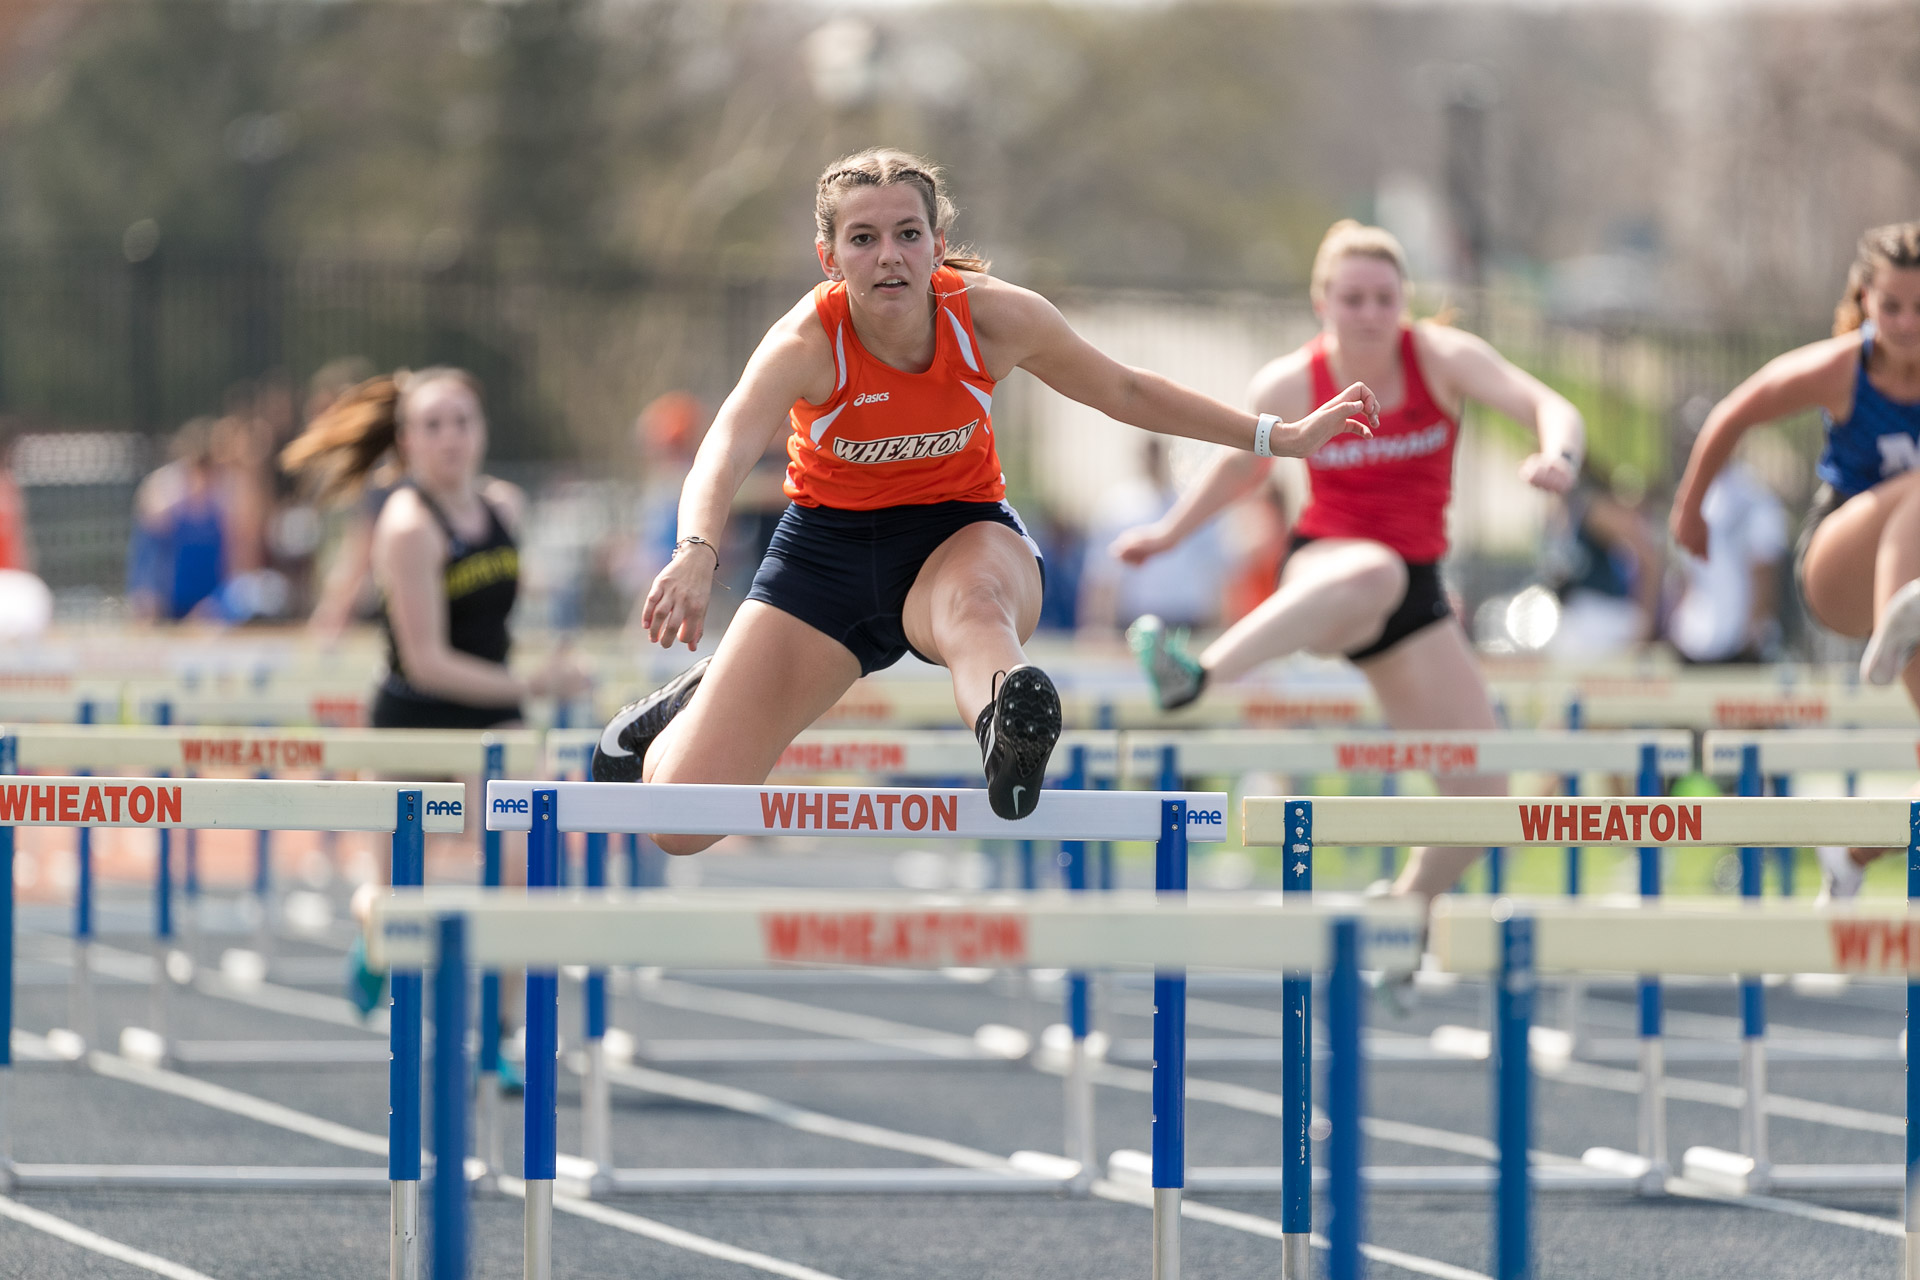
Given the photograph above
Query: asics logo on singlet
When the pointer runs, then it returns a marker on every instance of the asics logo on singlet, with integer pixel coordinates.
(936, 444)
(1367, 452)
(872, 397)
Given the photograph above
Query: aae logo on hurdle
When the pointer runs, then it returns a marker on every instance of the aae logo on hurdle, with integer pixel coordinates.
(447, 808)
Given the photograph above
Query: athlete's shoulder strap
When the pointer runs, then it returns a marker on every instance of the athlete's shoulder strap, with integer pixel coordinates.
(1418, 395)
(433, 509)
(1320, 370)
(954, 314)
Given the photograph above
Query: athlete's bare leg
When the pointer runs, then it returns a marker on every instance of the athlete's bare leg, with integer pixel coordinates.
(772, 677)
(976, 599)
(1880, 527)
(1431, 680)
(1335, 595)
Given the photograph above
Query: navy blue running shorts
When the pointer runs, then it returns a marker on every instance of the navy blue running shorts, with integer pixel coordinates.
(847, 573)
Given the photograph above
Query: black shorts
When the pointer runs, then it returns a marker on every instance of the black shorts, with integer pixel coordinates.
(1826, 501)
(397, 705)
(1423, 604)
(847, 573)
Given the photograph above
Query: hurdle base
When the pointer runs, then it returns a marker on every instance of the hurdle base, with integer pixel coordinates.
(757, 1053)
(1136, 1168)
(268, 1053)
(161, 1177)
(1737, 1174)
(1627, 1050)
(837, 1181)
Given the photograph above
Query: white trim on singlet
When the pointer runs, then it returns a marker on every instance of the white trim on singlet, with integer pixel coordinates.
(840, 355)
(966, 343)
(825, 420)
(984, 397)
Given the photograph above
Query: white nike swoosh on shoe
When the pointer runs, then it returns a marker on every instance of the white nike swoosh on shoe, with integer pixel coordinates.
(1016, 796)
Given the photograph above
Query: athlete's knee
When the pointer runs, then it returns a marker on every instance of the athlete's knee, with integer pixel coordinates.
(1378, 578)
(978, 600)
(684, 846)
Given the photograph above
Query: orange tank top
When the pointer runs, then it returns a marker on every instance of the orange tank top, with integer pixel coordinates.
(888, 438)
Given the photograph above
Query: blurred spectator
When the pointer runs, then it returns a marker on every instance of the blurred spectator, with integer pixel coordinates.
(1064, 551)
(666, 435)
(241, 446)
(1730, 608)
(16, 545)
(1602, 563)
(1258, 529)
(1182, 586)
(177, 563)
(346, 587)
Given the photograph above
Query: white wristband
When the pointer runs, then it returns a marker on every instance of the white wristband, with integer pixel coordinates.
(1263, 435)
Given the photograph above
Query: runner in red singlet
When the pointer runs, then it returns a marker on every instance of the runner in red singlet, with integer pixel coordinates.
(1363, 578)
(899, 537)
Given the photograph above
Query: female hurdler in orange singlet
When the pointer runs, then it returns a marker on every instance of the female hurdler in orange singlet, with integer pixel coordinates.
(898, 537)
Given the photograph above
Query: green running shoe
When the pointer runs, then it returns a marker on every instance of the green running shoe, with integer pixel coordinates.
(1176, 675)
(366, 987)
(513, 1081)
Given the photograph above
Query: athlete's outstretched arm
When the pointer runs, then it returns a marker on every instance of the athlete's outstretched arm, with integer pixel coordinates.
(1228, 478)
(1805, 378)
(1476, 371)
(788, 364)
(1023, 329)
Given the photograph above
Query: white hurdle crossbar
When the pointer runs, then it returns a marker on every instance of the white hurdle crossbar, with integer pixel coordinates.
(1756, 757)
(748, 929)
(187, 750)
(408, 810)
(1718, 942)
(917, 812)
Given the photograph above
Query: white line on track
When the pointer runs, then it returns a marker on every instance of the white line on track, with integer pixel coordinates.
(1792, 1208)
(72, 1233)
(1730, 1096)
(821, 1124)
(729, 1098)
(634, 1224)
(268, 997)
(797, 1016)
(232, 1100)
(1244, 1098)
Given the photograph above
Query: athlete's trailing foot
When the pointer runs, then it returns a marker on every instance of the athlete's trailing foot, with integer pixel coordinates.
(1892, 644)
(1176, 675)
(622, 750)
(1017, 731)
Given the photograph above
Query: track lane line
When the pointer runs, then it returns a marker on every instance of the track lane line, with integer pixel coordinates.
(75, 1234)
(689, 1241)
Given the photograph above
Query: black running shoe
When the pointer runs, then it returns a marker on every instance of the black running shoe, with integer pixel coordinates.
(622, 750)
(1017, 731)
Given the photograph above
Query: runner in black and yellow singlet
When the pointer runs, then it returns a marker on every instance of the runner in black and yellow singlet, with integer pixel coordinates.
(482, 580)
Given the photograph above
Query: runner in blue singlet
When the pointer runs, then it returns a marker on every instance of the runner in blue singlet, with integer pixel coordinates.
(1858, 559)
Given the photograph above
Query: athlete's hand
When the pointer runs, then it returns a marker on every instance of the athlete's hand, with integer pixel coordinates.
(560, 676)
(1556, 474)
(1142, 543)
(1354, 409)
(676, 608)
(1688, 526)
